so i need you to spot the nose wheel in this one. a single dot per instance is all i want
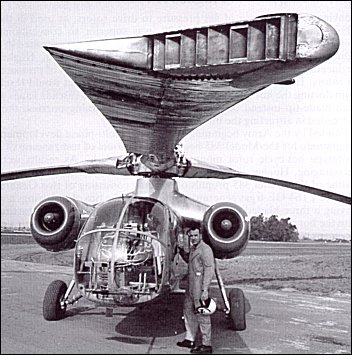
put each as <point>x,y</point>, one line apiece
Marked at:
<point>54,307</point>
<point>56,299</point>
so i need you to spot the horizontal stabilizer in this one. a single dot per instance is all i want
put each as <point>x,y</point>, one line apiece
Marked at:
<point>156,89</point>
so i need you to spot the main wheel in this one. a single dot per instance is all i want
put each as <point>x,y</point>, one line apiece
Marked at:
<point>237,309</point>
<point>52,308</point>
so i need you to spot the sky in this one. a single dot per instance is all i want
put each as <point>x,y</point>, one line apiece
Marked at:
<point>300,132</point>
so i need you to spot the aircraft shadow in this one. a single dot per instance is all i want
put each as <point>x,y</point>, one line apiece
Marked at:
<point>77,310</point>
<point>224,339</point>
<point>163,318</point>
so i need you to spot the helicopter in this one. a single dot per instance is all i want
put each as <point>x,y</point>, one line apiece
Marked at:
<point>154,90</point>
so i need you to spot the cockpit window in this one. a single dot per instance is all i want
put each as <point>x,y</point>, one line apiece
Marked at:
<point>138,214</point>
<point>105,215</point>
<point>145,216</point>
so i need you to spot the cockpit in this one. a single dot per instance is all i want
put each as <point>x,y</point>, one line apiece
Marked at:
<point>121,253</point>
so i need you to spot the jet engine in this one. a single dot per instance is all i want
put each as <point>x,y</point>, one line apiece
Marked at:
<point>56,222</point>
<point>227,229</point>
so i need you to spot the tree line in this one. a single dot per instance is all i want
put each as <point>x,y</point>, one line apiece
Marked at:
<point>273,229</point>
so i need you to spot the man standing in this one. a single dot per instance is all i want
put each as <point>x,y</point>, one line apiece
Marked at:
<point>201,269</point>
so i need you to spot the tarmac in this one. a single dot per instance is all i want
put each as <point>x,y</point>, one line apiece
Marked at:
<point>278,322</point>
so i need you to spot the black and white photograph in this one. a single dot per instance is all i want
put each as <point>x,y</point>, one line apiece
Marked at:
<point>175,177</point>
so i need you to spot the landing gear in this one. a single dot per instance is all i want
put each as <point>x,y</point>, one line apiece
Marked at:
<point>237,309</point>
<point>56,300</point>
<point>235,303</point>
<point>54,307</point>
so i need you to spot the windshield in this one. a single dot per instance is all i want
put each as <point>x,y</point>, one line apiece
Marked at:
<point>138,214</point>
<point>105,215</point>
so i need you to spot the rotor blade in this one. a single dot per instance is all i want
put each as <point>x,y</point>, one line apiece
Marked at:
<point>98,166</point>
<point>199,169</point>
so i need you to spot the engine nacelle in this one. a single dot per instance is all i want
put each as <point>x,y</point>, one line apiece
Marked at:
<point>56,222</point>
<point>227,229</point>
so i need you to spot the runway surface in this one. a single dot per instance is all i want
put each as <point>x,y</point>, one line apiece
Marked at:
<point>280,322</point>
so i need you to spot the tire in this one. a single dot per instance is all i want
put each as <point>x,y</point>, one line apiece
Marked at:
<point>237,309</point>
<point>54,294</point>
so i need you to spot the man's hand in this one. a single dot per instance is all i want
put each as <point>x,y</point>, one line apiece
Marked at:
<point>204,295</point>
<point>180,245</point>
<point>180,241</point>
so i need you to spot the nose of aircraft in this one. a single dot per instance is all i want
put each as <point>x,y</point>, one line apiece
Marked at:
<point>316,39</point>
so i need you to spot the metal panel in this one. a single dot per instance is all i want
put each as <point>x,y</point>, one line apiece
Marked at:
<point>218,45</point>
<point>159,53</point>
<point>201,47</point>
<point>272,39</point>
<point>188,49</point>
<point>292,37</point>
<point>172,51</point>
<point>256,40</point>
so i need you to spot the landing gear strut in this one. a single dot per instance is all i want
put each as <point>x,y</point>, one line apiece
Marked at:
<point>235,303</point>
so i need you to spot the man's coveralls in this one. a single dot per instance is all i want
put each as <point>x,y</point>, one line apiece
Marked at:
<point>201,269</point>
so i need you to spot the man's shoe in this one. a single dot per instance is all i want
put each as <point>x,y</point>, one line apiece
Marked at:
<point>186,344</point>
<point>203,349</point>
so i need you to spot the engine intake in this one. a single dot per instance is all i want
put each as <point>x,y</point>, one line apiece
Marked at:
<point>56,222</point>
<point>227,229</point>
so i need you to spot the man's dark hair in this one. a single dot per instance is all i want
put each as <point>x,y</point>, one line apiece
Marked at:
<point>194,226</point>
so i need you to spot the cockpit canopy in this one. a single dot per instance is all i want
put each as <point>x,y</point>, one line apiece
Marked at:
<point>122,251</point>
<point>122,212</point>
